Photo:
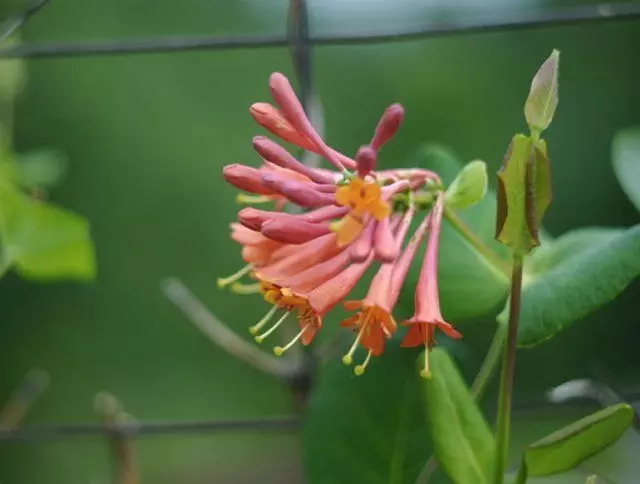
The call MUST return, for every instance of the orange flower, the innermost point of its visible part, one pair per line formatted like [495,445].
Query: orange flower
[427,316]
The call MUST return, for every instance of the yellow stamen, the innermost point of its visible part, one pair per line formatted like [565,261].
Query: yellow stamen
[426,373]
[260,338]
[348,358]
[279,350]
[243,198]
[359,370]
[225,281]
[257,327]
[240,288]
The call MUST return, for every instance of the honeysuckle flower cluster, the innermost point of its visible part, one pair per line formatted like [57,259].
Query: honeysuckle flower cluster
[349,218]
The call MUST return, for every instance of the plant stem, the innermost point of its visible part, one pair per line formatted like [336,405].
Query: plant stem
[508,369]
[478,388]
[477,243]
[489,364]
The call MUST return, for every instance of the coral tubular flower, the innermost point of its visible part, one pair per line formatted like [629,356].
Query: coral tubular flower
[345,220]
[374,322]
[427,317]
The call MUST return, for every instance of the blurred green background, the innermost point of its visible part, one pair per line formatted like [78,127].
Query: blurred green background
[147,136]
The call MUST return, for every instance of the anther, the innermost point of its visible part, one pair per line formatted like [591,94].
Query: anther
[359,370]
[279,350]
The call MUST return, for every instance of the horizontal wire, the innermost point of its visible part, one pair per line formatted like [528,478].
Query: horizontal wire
[285,423]
[131,429]
[540,19]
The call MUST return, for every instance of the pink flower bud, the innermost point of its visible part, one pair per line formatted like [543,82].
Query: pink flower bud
[366,160]
[245,178]
[387,126]
[304,194]
[325,213]
[276,154]
[270,118]
[292,231]
[286,98]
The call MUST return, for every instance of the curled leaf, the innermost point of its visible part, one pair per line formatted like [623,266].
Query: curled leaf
[543,96]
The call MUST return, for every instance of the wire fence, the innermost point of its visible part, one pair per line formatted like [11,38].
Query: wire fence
[300,42]
[543,18]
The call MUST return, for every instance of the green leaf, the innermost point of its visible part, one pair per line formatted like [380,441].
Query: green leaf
[626,162]
[44,242]
[367,428]
[524,193]
[471,287]
[566,448]
[462,441]
[573,243]
[469,187]
[575,283]
[543,95]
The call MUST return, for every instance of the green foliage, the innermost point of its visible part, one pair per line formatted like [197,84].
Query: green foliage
[469,187]
[543,95]
[368,428]
[462,440]
[566,448]
[41,241]
[12,76]
[572,277]
[471,286]
[626,162]
[524,193]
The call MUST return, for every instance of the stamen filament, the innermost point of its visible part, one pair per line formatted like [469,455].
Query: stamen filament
[426,372]
[225,281]
[243,198]
[240,288]
[359,370]
[348,358]
[279,350]
[260,338]
[256,327]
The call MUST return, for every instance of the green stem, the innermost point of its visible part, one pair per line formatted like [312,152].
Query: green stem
[477,243]
[508,369]
[478,388]
[489,364]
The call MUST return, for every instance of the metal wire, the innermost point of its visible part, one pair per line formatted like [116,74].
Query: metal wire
[525,20]
[131,429]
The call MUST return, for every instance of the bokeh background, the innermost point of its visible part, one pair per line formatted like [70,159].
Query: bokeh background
[146,137]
